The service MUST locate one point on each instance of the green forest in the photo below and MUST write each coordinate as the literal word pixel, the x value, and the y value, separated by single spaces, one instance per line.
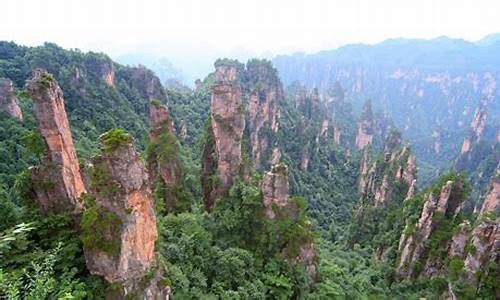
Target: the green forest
pixel 233 251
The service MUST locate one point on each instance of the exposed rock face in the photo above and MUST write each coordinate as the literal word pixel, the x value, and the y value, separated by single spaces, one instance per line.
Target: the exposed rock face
pixel 377 179
pixel 147 84
pixel 278 205
pixel 227 124
pixel 336 135
pixel 486 243
pixel 275 190
pixel 119 224
pixel 364 135
pixel 8 99
pixel 158 118
pixel 413 247
pixel 266 93
pixel 108 74
pixel 57 182
pixel 478 125
pixel 163 159
pixel 491 201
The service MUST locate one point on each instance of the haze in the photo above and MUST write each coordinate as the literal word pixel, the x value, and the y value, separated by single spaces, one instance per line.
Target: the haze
pixel 190 33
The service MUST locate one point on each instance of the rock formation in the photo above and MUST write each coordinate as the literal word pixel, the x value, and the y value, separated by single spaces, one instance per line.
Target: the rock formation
pixel 364 135
pixel 478 125
pixel 312 125
pixel 491 201
pixel 57 181
pixel 275 190
pixel 147 84
pixel 119 223
pixel 8 99
pixel 378 178
pixel 163 155
pixel 108 73
pixel 222 151
pixel 266 93
pixel 278 205
pixel 486 235
pixel 438 209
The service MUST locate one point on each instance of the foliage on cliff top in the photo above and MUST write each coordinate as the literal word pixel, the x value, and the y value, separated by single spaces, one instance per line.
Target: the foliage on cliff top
pixel 113 139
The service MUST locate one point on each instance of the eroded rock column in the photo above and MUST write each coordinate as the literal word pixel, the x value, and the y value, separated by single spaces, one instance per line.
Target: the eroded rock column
pixel 8 99
pixel 119 223
pixel 222 150
pixel 57 181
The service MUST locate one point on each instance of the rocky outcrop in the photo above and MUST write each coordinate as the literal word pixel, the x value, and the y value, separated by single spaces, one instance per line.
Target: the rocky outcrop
pixel 365 131
pixel 379 179
pixel 119 223
pixel 146 83
pixel 439 208
pixel 222 151
pixel 485 238
pixel 486 249
pixel 279 206
pixel 266 93
pixel 163 155
pixel 491 201
pixel 477 128
pixel 8 99
pixel 275 190
pixel 108 73
pixel 57 181
pixel 159 119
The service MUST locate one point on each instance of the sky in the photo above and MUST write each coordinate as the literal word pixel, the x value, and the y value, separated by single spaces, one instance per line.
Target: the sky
pixel 186 31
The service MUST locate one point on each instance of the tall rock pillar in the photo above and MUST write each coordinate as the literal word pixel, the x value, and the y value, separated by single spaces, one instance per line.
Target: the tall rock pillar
pixel 57 182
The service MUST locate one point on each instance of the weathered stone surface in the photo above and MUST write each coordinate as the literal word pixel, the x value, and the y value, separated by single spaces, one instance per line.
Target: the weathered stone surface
pixel 278 205
pixel 413 247
pixel 491 201
pixel 364 136
pixel 378 179
pixel 336 135
pixel 486 244
pixel 8 99
pixel 108 73
pixel 147 84
pixel 119 184
pixel 58 183
pixel 227 125
pixel 458 241
pixel 162 139
pixel 159 118
pixel 275 190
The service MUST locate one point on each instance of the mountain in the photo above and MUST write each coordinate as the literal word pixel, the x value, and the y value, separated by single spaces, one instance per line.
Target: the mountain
pixel 429 88
pixel 114 186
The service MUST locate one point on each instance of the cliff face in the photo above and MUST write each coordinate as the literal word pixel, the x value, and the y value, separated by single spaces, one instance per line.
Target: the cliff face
pixel 57 182
pixel 8 99
pixel 266 92
pixel 364 135
pixel 108 73
pixel 380 178
pixel 222 156
pixel 163 155
pixel 479 154
pixel 146 83
pixel 438 209
pixel 312 123
pixel 119 223
pixel 275 190
pixel 279 206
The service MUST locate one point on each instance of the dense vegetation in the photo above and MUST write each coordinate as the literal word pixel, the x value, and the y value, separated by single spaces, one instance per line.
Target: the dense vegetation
pixel 231 253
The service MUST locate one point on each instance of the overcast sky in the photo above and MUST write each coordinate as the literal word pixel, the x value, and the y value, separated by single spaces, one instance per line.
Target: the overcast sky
pixel 190 28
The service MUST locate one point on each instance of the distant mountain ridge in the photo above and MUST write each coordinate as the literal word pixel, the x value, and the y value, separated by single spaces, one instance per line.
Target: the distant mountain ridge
pixel 430 88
